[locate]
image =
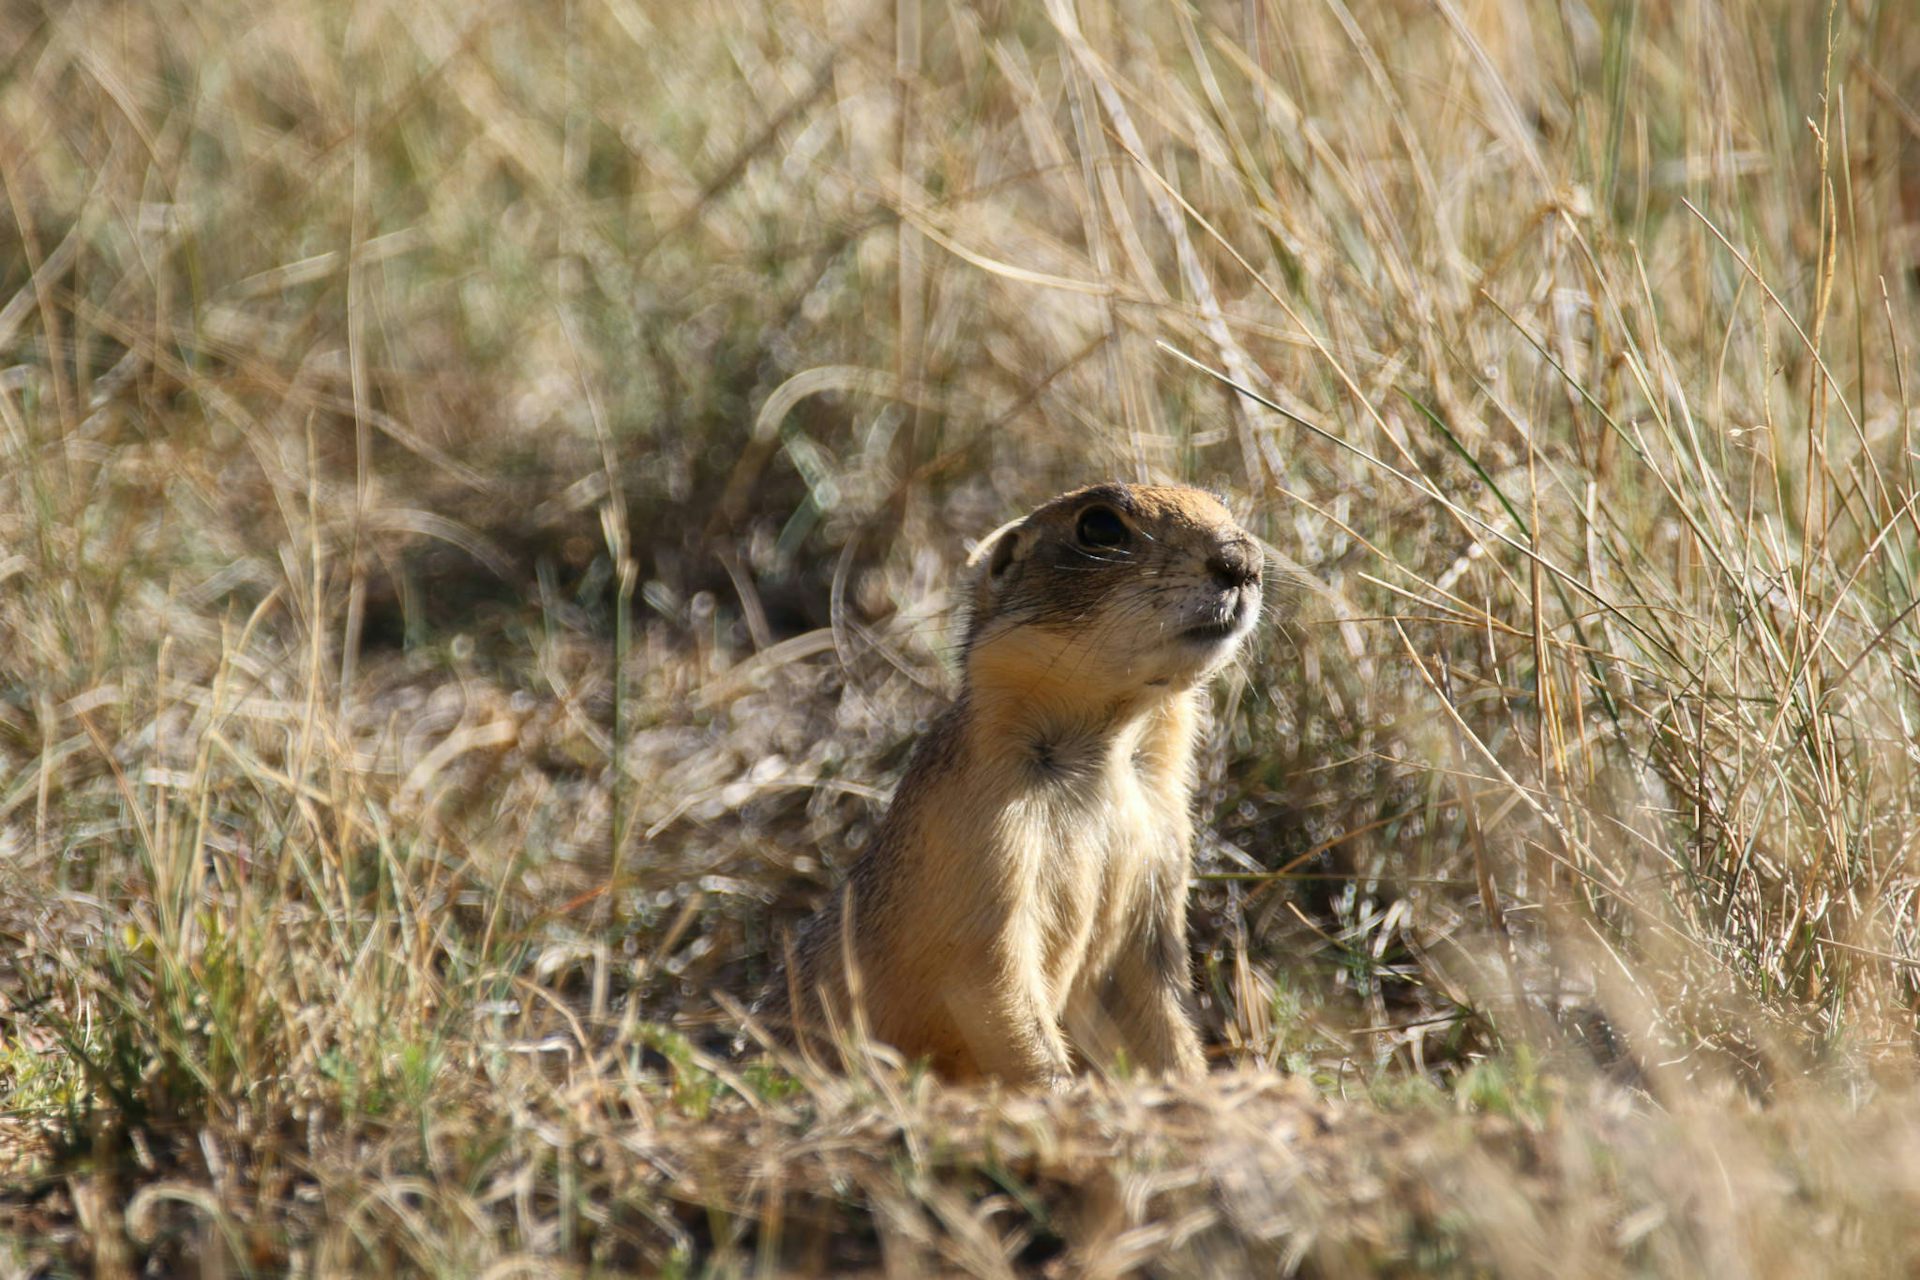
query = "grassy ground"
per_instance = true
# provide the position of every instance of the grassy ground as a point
(481, 495)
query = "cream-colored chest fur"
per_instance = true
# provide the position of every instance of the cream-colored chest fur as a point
(1089, 832)
(1027, 865)
(1101, 851)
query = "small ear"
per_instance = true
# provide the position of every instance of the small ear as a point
(1003, 552)
(999, 550)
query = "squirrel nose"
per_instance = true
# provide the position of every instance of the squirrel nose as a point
(1235, 564)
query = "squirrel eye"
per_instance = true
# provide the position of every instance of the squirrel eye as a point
(1100, 527)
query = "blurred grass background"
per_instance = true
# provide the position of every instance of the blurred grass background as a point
(482, 491)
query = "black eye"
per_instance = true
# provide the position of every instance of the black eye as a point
(1100, 527)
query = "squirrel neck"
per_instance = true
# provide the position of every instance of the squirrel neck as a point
(1156, 728)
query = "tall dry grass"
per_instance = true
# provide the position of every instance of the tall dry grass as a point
(481, 489)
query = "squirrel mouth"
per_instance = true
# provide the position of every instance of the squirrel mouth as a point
(1211, 632)
(1227, 628)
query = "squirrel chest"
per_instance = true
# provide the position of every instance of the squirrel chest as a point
(1092, 828)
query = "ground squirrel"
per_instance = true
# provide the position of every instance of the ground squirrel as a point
(1022, 909)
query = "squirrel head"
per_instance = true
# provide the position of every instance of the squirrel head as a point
(1111, 592)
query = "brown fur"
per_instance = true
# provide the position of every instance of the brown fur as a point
(1023, 906)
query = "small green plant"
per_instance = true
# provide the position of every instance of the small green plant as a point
(1510, 1084)
(692, 1086)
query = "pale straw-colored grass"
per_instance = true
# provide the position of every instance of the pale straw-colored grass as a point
(482, 490)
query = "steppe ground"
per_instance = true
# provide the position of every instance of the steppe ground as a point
(483, 491)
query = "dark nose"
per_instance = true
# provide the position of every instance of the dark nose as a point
(1236, 564)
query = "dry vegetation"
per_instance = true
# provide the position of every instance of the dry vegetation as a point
(481, 488)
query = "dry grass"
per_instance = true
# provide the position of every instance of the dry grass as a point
(480, 488)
